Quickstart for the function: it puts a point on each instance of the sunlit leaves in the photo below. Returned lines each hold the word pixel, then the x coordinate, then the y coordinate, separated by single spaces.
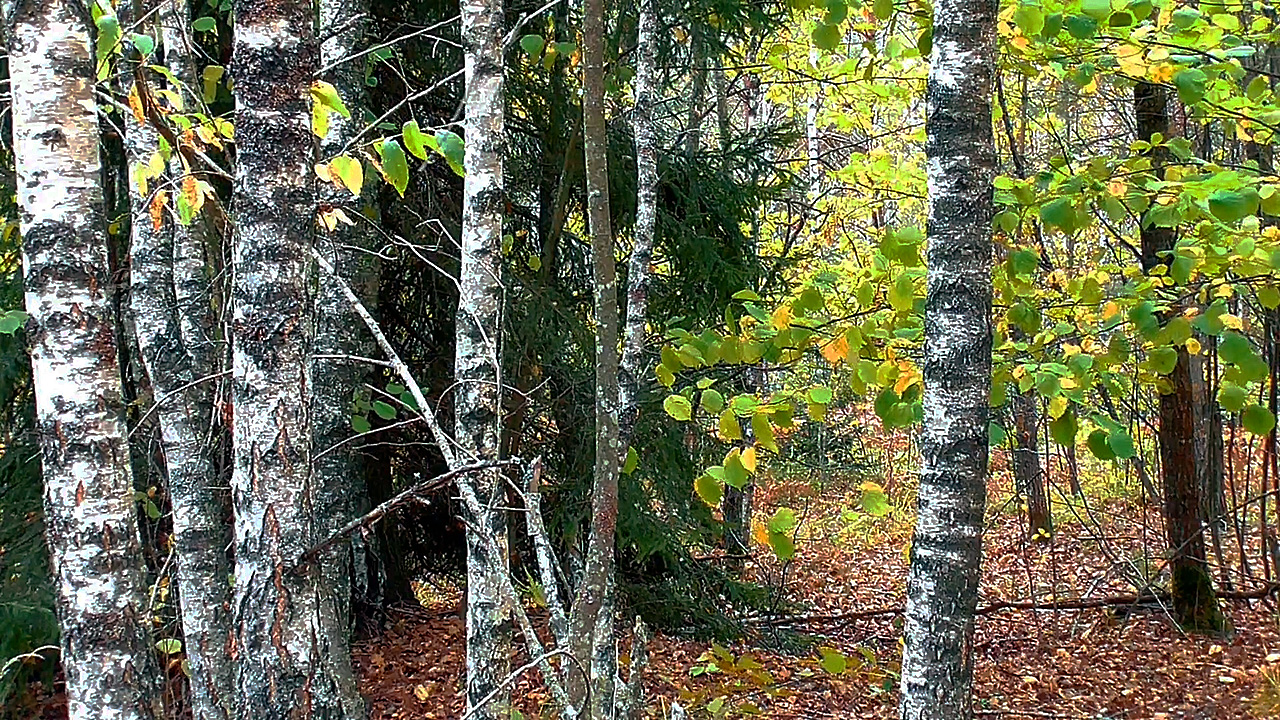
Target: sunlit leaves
pixel 678 407
pixel 395 166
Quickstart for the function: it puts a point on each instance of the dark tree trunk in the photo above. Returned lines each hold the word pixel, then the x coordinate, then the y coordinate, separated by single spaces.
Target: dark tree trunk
pixel 1194 602
pixel 1028 474
pixel 91 520
pixel 946 551
pixel 288 666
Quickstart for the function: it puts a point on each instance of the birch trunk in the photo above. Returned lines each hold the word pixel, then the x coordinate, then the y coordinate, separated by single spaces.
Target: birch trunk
pixel 1194 603
pixel 173 318
pixel 286 664
pixel 946 551
pixel 91 521
pixel 477 364
pixel 593 590
pixel 339 474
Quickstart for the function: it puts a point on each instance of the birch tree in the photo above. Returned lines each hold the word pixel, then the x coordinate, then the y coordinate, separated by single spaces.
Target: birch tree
pixel 341 343
pixel 285 665
pixel 946 551
pixel 171 305
pixel 90 518
pixel 477 403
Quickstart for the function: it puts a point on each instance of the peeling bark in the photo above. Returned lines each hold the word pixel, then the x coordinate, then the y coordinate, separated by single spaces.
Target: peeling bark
pixel 171 304
pixel 287 665
pixel 477 362
pixel 91 521
pixel 946 551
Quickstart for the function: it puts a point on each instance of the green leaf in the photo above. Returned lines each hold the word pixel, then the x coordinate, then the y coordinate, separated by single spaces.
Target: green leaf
pixel 384 411
pixel 395 165
pixel 820 394
pixel 144 44
pixel 1230 206
pixel 996 434
pixel 1099 446
pixel 1191 85
pixel 416 141
pixel 712 401
pixel 1030 19
pixel 632 462
pixel 11 321
pixel 453 150
pixel 108 41
pixel 826 37
pixel 735 473
pixel 1096 9
pixel 782 545
pixel 169 646
pixel 678 407
pixel 729 427
pixel 1235 348
pixel 833 661
pixel 327 95
pixel 360 424
pixel 1185 17
pixel 533 45
pixel 783 520
pixel 746 295
pixel 763 431
pixel 1121 444
pixel 204 24
pixel 1258 420
pixel 709 489
pixel 1063 429
pixel 883 9
pixel 1081 27
pixel 1058 213
pixel 874 500
pixel 209 78
pixel 1232 397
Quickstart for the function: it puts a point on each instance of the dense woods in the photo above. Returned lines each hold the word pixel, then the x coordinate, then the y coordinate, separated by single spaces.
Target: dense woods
pixel 607 361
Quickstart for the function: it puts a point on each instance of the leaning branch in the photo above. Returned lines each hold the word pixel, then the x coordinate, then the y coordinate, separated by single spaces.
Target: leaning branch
pixel 412 493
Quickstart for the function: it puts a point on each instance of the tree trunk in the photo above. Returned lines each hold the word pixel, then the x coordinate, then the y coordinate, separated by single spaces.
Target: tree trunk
pixel 946 551
pixel 591 596
pixel 1194 602
pixel 339 472
pixel 174 324
pixel 286 663
pixel 1027 472
pixel 91 521
pixel 477 363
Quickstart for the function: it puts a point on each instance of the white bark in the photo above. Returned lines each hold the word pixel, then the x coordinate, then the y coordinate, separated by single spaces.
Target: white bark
pixel 90 516
pixel 477 362
pixel 286 663
pixel 946 551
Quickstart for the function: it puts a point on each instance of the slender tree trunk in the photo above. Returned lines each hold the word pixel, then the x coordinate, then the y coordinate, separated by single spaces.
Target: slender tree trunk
pixel 339 472
pixel 174 324
pixel 596 578
pixel 1194 602
pixel 91 522
pixel 1027 472
pixel 286 663
pixel 946 551
pixel 477 364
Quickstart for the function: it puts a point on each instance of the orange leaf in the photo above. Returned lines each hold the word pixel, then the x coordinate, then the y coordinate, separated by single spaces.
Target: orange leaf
pixel 157 208
pixel 836 350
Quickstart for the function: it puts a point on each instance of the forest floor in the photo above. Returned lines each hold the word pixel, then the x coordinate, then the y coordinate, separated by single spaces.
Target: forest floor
pixel 1118 661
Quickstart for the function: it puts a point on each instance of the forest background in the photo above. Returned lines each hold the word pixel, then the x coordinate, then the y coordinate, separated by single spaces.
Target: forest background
pixel 326 260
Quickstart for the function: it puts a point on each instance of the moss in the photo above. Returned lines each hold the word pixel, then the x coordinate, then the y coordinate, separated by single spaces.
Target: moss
pixel 1194 603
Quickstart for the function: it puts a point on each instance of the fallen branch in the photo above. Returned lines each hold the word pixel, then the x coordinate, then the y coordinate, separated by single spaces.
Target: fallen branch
pixel 412 493
pixel 1068 604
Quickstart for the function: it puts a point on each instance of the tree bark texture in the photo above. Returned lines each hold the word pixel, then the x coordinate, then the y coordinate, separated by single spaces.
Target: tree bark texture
pixel 477 363
pixel 946 551
pixel 1194 604
pixel 287 665
pixel 171 304
pixel 1028 473
pixel 596 578
pixel 91 520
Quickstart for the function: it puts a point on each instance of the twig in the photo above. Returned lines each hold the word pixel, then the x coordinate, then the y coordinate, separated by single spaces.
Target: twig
pixel 376 514
pixel 33 655
pixel 511 677
pixel 167 396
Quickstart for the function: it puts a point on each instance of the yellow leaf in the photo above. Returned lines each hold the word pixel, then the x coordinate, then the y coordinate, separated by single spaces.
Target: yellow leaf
pixel 347 172
pixel 749 458
pixel 1223 291
pixel 869 486
pixel 421 692
pixel 836 350
pixel 1090 345
pixel 157 209
pixel 759 533
pixel 1231 322
pixel 135 104
pixel 1068 383
pixel 782 317
pixel 1110 310
pixel 1070 350
pixel 1057 407
pixel 191 193
pixel 1019 371
pixel 905 380
pixel 329 218
pixel 1193 346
